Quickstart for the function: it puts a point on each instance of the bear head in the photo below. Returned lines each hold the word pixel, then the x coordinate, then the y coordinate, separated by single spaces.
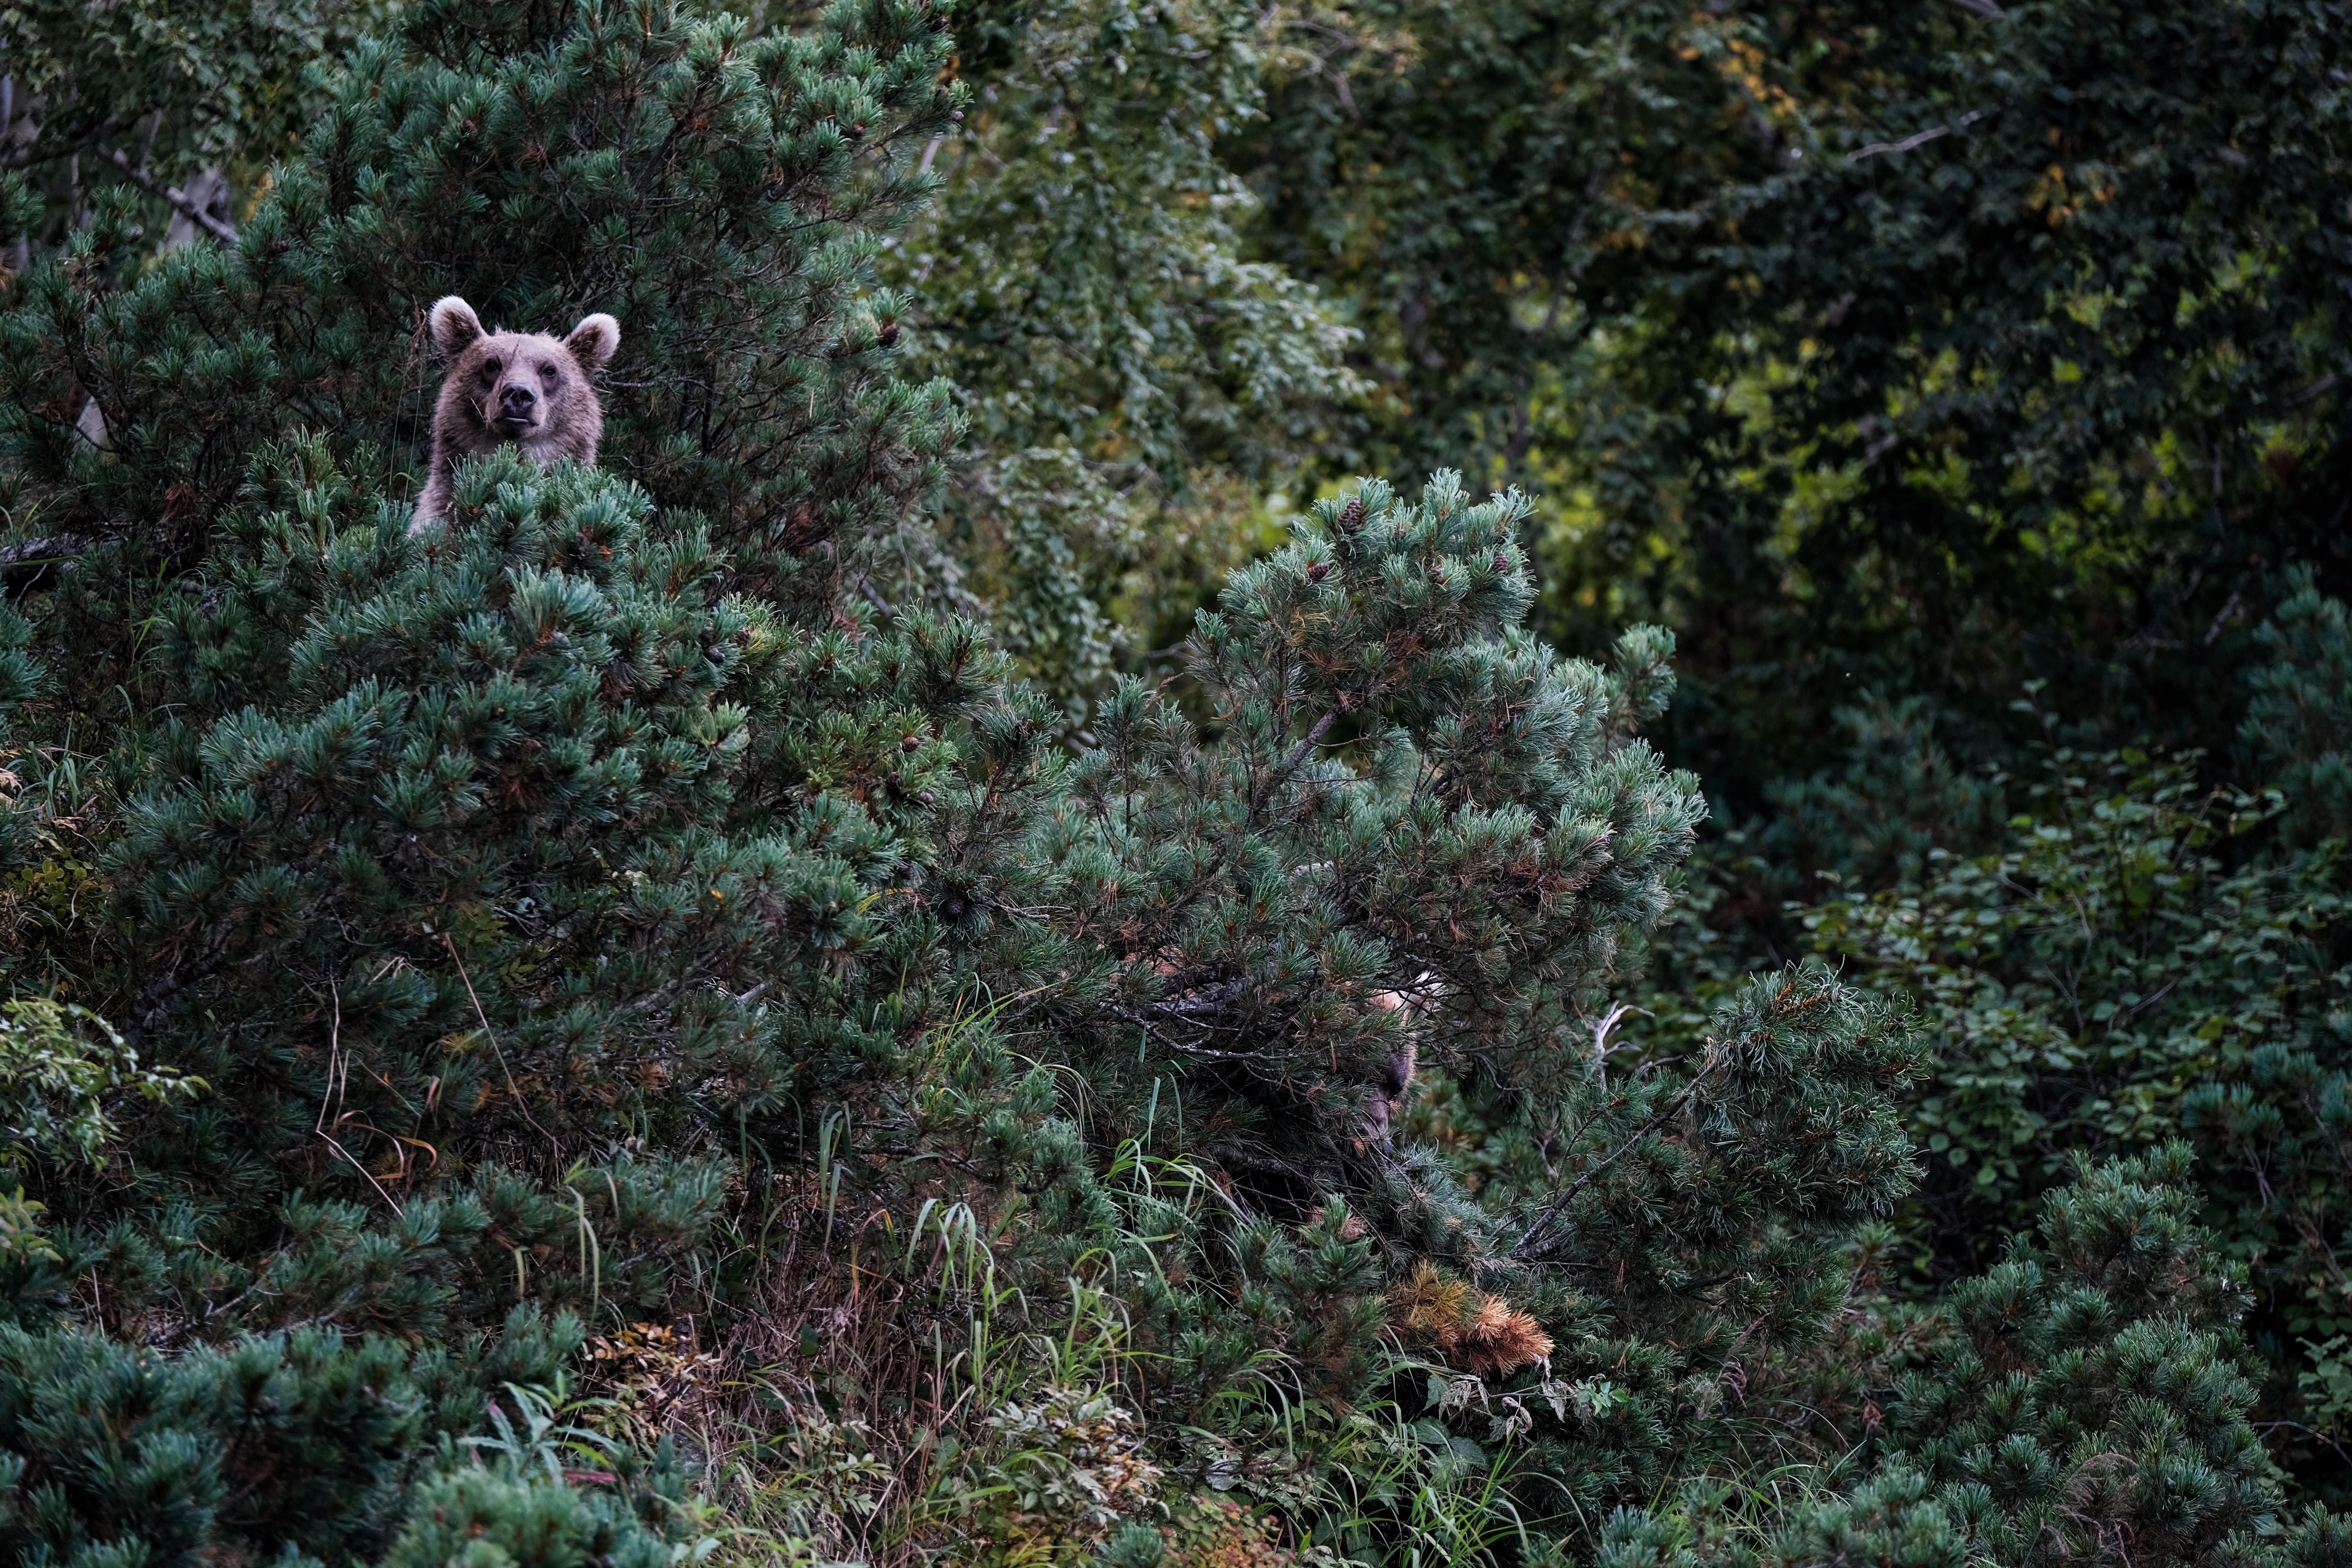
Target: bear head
pixel 525 387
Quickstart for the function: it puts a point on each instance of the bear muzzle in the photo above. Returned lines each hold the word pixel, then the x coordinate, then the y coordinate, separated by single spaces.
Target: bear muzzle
pixel 518 411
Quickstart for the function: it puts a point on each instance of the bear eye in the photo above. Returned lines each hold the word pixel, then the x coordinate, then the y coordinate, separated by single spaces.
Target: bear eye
pixel 547 374
pixel 490 370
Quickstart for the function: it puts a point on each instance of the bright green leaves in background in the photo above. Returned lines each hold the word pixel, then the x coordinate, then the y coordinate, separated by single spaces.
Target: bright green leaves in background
pixel 1130 374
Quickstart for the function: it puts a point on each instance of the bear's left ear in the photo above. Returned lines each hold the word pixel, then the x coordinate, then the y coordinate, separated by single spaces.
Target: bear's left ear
pixel 593 342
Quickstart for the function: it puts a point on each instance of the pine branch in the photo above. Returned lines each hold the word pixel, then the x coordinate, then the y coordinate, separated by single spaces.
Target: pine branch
pixel 1552 1210
pixel 1290 764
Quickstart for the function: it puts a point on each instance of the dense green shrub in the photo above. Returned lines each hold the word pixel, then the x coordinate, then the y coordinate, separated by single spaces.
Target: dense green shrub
pixel 2299 712
pixel 304 1446
pixel 2077 1402
pixel 1129 375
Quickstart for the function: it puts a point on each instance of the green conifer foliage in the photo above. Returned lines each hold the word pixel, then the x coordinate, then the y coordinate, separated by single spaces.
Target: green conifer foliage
pixel 300 1448
pixel 718 193
pixel 606 903
pixel 2092 1390
pixel 372 753
pixel 2299 711
pixel 1680 1221
pixel 1419 834
pixel 500 875
pixel 485 842
pixel 1412 812
pixel 490 1514
pixel 20 678
pixel 2082 1401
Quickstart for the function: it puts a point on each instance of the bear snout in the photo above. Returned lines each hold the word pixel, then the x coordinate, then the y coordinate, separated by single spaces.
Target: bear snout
pixel 518 406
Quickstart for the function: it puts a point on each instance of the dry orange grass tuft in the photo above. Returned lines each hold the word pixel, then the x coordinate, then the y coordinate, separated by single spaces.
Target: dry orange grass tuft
pixel 1498 1342
pixel 1468 1328
pixel 1427 1304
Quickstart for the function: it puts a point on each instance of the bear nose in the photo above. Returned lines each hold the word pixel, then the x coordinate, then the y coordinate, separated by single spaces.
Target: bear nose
pixel 515 397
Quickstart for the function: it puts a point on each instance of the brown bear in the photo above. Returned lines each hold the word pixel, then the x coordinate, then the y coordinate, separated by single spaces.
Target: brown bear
pixel 523 388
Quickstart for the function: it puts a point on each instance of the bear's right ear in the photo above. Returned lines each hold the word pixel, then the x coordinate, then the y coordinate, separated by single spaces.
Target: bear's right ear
pixel 593 340
pixel 454 325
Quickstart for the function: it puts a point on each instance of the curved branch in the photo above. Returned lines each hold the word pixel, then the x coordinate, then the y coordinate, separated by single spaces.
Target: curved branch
pixel 218 229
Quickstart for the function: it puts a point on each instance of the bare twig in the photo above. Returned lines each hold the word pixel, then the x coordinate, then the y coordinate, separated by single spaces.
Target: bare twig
pixel 2230 606
pixel 1984 8
pixel 2320 388
pixel 1288 765
pixel 2299 1426
pixel 521 1103
pixel 1602 1048
pixel 223 232
pixel 2146 1002
pixel 1552 1210
pixel 339 1073
pixel 1921 139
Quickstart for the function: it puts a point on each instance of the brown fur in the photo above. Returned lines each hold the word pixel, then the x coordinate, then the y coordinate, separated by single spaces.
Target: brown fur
pixel 1393 1080
pixel 1390 1088
pixel 526 388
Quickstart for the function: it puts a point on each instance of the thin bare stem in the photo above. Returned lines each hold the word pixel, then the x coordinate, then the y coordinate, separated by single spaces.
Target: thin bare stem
pixel 488 1033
